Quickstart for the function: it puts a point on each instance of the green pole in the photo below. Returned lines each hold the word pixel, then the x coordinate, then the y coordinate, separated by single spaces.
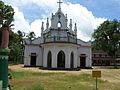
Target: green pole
pixel 4 67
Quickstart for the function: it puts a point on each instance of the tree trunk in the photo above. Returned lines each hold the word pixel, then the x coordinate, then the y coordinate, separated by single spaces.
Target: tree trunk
pixel 5 37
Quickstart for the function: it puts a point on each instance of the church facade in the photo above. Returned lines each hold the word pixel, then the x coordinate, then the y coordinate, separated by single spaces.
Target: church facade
pixel 58 47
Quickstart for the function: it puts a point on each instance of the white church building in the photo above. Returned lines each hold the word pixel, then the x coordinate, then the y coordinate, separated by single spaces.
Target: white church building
pixel 58 47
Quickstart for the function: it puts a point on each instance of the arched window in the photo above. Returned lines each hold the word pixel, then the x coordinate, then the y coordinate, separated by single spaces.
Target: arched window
pixel 49 59
pixel 59 25
pixel 61 60
pixel 72 60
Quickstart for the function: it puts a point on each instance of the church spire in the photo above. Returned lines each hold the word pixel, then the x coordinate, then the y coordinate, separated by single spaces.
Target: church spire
pixel 60 2
pixel 47 24
pixel 70 24
pixel 42 28
pixel 75 29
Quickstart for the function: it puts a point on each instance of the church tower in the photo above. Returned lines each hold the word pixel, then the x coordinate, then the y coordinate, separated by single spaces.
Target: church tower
pixel 59 31
pixel 60 42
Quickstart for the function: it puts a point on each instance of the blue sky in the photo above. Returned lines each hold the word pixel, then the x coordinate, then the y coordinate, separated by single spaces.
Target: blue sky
pixel 88 14
pixel 102 8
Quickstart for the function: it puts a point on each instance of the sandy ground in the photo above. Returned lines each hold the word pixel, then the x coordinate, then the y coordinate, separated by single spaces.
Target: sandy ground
pixel 111 75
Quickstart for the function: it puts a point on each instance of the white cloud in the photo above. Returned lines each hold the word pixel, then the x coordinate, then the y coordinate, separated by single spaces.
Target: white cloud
pixel 86 21
pixel 36 27
pixel 19 21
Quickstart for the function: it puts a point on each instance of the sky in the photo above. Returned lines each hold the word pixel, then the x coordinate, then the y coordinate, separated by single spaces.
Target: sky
pixel 88 14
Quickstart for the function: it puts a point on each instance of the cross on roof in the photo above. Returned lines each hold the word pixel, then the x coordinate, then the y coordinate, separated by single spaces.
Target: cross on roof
pixel 59 4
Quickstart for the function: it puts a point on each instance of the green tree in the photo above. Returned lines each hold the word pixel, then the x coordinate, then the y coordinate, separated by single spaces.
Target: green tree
pixel 31 36
pixel 16 45
pixel 21 36
pixel 107 38
pixel 6 15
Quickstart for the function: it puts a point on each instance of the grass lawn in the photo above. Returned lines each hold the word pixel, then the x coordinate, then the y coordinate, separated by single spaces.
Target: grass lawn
pixel 36 79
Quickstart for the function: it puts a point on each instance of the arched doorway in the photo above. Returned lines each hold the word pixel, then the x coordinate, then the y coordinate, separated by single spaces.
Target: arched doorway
pixel 72 60
pixel 61 60
pixel 49 59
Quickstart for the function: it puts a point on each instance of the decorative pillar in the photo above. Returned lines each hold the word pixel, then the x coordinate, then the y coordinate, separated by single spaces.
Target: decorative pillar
pixel 4 68
pixel 54 57
pixel 67 58
pixel 5 37
pixel 4 52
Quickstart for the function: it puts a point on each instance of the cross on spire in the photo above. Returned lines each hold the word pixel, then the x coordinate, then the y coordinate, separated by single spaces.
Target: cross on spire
pixel 60 2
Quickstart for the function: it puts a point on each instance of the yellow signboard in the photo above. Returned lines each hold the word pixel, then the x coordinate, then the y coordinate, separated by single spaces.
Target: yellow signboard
pixel 96 74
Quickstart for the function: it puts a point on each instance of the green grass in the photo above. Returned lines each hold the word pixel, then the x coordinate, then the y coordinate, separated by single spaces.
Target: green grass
pixel 35 87
pixel 52 81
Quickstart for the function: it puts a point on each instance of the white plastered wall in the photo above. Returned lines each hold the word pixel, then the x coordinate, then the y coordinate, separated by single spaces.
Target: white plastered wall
pixel 33 49
pixel 55 49
pixel 88 53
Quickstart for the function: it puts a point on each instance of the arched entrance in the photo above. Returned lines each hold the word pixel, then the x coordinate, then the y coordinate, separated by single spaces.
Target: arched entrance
pixel 49 59
pixel 72 60
pixel 61 60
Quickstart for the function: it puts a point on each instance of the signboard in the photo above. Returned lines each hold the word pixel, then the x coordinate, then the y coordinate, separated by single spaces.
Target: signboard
pixel 96 74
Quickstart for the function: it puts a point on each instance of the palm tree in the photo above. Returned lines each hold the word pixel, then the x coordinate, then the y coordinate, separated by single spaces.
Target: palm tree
pixel 6 18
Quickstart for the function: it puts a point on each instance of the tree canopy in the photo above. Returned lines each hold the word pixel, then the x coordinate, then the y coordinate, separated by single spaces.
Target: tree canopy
pixel 31 36
pixel 15 46
pixel 6 14
pixel 107 37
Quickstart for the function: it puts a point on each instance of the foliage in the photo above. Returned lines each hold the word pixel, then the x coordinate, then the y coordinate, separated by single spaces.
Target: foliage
pixel 31 35
pixel 107 37
pixel 21 36
pixel 6 14
pixel 16 45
